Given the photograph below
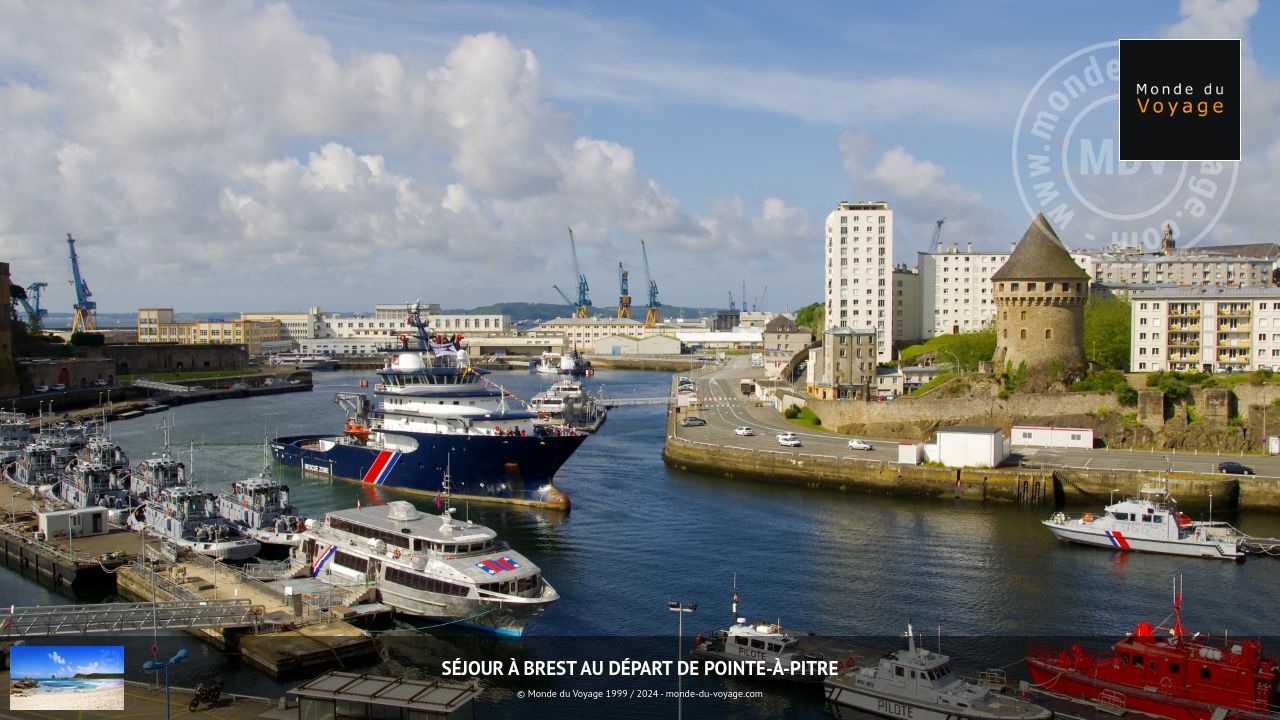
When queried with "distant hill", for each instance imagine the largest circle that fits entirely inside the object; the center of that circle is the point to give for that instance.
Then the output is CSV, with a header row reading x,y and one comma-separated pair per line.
x,y
99,676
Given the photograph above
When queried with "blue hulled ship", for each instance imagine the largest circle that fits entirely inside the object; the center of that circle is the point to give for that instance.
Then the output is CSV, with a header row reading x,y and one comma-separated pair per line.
x,y
428,407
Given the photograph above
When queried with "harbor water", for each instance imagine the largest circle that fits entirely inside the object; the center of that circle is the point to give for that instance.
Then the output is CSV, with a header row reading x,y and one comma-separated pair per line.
x,y
640,535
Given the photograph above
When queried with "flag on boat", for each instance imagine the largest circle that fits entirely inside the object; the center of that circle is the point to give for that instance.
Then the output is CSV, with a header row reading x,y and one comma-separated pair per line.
x,y
494,566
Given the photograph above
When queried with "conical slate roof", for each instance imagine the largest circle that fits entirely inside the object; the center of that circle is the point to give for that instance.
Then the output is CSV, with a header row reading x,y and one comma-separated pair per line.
x,y
1040,256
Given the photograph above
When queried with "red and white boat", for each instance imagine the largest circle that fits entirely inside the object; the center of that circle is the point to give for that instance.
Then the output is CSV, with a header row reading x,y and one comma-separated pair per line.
x,y
1168,673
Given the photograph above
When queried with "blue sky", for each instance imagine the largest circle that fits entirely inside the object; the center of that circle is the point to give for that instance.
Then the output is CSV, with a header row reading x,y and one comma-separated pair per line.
x,y
251,156
42,661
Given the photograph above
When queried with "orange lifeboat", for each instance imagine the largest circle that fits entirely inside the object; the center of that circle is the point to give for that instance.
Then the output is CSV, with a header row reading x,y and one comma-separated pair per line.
x,y
356,430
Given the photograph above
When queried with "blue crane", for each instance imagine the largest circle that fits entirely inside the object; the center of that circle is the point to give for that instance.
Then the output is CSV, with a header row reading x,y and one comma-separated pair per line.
x,y
624,294
652,315
35,313
85,319
567,301
584,301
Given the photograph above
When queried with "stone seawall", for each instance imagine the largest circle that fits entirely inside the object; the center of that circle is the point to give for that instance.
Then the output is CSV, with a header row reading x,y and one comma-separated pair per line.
x,y
918,417
1047,486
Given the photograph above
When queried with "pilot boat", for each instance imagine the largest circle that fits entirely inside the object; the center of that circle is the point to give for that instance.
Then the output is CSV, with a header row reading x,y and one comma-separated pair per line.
x,y
922,685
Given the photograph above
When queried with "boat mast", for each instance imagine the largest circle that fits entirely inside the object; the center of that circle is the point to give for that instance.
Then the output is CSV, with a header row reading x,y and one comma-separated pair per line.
x,y
1178,630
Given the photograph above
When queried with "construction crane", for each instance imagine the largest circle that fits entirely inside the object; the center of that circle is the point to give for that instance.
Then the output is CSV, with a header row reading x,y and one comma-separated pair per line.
x,y
567,301
624,295
732,307
652,314
86,317
584,300
937,234
35,313
755,304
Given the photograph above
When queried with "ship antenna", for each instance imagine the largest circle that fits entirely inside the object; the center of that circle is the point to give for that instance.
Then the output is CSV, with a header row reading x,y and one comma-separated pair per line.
x,y
911,637
446,484
735,595
1178,630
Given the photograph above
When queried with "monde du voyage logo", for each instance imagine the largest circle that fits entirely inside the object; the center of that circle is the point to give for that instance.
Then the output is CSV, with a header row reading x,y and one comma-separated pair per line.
x,y
1167,161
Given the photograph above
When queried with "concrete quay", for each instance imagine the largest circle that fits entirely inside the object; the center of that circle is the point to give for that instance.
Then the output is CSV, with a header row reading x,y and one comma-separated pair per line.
x,y
1039,476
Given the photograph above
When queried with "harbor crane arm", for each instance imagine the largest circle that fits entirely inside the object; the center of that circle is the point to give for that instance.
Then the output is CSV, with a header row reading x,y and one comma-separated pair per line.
x,y
584,300
567,301
652,315
35,313
86,310
937,233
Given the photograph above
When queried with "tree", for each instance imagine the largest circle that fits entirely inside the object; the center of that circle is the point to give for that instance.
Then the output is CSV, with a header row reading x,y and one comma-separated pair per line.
x,y
88,339
1106,331
812,316
1275,277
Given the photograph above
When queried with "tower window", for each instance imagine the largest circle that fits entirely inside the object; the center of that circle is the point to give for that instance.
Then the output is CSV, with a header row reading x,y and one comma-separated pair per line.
x,y
1048,334
1024,334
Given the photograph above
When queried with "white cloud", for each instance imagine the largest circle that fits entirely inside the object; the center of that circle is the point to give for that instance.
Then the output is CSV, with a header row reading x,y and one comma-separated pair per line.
x,y
919,194
221,157
57,659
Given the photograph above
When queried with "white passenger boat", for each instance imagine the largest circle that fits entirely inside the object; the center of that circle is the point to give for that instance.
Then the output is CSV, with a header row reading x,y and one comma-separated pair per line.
x,y
1150,522
430,566
922,685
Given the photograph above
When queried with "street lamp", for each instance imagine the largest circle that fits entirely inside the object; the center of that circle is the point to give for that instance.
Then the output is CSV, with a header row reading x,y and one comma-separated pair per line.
x,y
680,609
165,665
957,365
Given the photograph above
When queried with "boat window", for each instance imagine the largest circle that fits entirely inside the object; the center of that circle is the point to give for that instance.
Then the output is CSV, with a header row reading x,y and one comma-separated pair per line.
x,y
897,670
1152,665
1158,519
913,675
758,644
358,564
740,640
774,647
1120,515
1175,667
1137,660
422,582
1146,518
1205,672
961,704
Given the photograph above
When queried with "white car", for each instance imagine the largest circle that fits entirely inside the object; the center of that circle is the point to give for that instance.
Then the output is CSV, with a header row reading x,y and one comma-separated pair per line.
x,y
860,445
789,441
744,431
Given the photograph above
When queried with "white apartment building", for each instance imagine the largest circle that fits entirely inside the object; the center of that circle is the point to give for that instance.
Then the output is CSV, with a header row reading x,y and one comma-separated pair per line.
x,y
859,267
955,288
1184,270
1211,329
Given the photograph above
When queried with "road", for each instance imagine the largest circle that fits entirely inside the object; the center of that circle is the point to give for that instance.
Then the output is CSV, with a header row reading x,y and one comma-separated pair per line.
x,y
724,407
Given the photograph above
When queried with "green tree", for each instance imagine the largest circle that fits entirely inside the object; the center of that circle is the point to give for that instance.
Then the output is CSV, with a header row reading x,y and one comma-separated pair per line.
x,y
1106,331
88,339
966,349
812,316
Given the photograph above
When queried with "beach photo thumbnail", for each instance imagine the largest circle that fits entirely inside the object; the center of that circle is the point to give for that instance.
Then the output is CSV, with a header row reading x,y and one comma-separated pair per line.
x,y
66,677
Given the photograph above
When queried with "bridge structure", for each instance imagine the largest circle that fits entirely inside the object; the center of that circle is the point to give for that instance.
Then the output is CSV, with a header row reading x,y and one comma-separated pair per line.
x,y
18,622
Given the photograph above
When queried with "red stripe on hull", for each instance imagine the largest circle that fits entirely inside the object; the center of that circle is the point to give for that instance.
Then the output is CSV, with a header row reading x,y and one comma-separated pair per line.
x,y
372,474
1124,544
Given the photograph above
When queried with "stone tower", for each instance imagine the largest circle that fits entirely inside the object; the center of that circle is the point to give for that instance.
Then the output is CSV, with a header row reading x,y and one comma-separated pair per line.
x,y
1039,295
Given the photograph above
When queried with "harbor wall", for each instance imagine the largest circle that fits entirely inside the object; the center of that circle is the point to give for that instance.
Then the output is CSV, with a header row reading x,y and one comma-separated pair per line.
x,y
918,417
1032,486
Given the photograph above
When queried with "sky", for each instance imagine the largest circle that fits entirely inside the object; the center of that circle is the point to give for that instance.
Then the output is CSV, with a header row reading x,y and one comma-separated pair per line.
x,y
42,661
242,155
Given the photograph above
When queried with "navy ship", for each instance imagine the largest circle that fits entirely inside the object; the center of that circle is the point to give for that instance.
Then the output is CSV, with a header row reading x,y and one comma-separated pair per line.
x,y
428,406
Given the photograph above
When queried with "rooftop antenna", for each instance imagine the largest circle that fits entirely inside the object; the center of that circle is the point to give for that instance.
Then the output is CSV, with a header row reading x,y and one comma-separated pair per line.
x,y
735,594
911,637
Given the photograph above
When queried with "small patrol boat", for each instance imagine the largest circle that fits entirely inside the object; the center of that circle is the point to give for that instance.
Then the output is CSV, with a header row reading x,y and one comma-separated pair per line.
x,y
922,685
1150,522
767,642
260,508
180,516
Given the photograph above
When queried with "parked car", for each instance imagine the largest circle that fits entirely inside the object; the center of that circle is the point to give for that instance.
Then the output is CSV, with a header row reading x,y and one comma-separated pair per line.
x,y
59,387
1235,468
693,422
42,388
856,444
744,431
789,441
99,383
786,434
